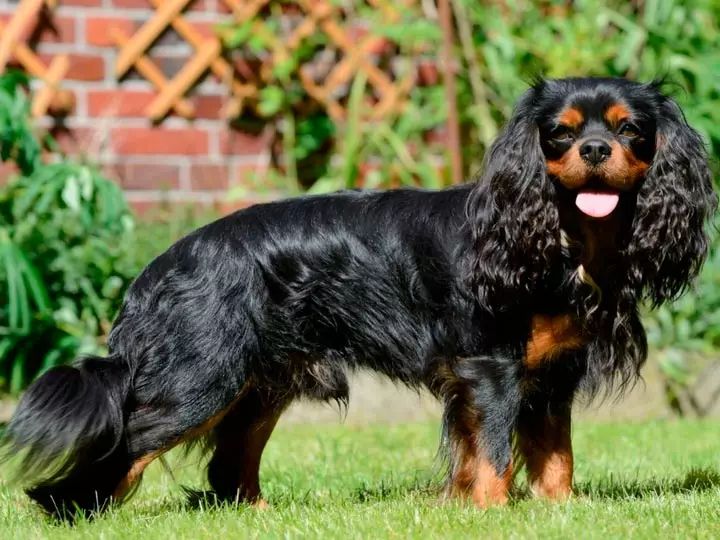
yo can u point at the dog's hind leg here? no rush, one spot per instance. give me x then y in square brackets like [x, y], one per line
[146, 450]
[240, 438]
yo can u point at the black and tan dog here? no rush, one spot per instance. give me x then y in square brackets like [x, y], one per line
[505, 298]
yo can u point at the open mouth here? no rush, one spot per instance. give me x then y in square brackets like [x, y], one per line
[597, 204]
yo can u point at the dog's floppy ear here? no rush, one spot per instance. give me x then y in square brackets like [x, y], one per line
[669, 240]
[512, 216]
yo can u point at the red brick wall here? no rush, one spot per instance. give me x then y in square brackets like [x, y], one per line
[180, 161]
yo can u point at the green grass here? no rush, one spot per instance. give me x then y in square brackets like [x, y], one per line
[651, 480]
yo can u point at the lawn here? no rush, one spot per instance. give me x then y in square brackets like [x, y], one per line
[649, 480]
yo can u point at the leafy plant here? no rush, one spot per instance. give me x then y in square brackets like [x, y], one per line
[64, 265]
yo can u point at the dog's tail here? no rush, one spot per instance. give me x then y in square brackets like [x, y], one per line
[69, 428]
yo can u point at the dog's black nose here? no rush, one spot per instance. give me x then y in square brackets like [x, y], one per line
[595, 151]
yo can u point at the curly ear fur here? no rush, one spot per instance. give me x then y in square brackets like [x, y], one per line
[669, 240]
[513, 217]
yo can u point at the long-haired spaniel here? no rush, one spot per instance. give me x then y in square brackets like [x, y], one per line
[506, 298]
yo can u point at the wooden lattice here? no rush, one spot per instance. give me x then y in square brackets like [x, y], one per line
[50, 96]
[319, 16]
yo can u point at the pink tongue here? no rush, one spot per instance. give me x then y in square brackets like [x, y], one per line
[596, 204]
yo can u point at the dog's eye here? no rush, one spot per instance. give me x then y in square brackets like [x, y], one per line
[628, 130]
[562, 134]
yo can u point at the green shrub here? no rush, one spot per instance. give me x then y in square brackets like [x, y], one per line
[64, 251]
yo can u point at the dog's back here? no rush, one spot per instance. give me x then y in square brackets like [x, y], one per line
[219, 333]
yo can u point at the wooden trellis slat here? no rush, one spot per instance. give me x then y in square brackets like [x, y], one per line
[167, 10]
[356, 58]
[26, 11]
[187, 76]
[10, 46]
[220, 67]
[54, 74]
[152, 73]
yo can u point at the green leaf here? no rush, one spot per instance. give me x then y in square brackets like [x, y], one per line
[6, 345]
[351, 156]
[272, 99]
[236, 37]
[35, 283]
[71, 194]
[17, 376]
[85, 179]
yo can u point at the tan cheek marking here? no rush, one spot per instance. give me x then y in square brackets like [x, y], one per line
[549, 337]
[623, 166]
[616, 114]
[570, 169]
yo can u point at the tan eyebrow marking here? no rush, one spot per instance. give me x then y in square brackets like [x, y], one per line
[571, 117]
[616, 114]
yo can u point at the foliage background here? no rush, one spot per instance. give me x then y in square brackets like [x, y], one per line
[76, 279]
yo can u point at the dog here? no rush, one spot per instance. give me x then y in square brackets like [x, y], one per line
[507, 298]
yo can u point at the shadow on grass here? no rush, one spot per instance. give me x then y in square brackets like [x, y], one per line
[197, 499]
[695, 480]
[385, 490]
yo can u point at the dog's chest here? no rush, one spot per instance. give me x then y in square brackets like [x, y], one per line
[550, 336]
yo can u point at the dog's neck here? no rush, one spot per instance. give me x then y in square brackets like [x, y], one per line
[598, 243]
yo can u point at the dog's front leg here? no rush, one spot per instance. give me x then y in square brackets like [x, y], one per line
[480, 418]
[544, 429]
[545, 443]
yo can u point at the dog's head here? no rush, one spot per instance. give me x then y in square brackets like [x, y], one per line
[611, 160]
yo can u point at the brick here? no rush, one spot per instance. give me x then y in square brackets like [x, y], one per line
[197, 5]
[153, 210]
[162, 141]
[98, 30]
[427, 73]
[147, 209]
[83, 67]
[204, 5]
[57, 29]
[74, 141]
[249, 175]
[208, 106]
[144, 176]
[123, 103]
[206, 29]
[286, 8]
[242, 143]
[131, 4]
[134, 103]
[82, 3]
[211, 177]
